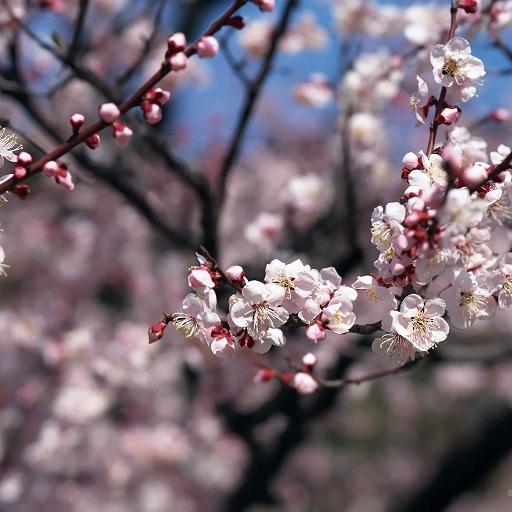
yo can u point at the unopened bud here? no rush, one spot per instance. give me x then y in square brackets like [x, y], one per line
[207, 47]
[309, 361]
[156, 331]
[21, 191]
[93, 142]
[24, 159]
[77, 121]
[236, 274]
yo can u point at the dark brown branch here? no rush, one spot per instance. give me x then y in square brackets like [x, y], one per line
[128, 104]
[79, 27]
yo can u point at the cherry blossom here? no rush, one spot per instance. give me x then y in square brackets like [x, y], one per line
[421, 322]
[455, 66]
[468, 299]
[258, 308]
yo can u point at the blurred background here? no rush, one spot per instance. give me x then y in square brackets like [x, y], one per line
[261, 153]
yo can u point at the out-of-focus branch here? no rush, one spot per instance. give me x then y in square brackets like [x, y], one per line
[149, 42]
[78, 30]
[131, 102]
[130, 193]
[466, 465]
[251, 99]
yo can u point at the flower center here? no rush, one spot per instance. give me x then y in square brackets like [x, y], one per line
[421, 323]
[373, 295]
[338, 317]
[507, 285]
[285, 281]
[473, 303]
[185, 324]
[450, 67]
[381, 231]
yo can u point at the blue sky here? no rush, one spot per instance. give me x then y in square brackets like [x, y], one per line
[223, 95]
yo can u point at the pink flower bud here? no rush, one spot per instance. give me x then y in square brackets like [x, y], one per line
[21, 191]
[24, 159]
[207, 47]
[152, 113]
[500, 115]
[264, 375]
[177, 43]
[160, 96]
[199, 279]
[20, 172]
[410, 161]
[449, 115]
[470, 6]
[309, 361]
[122, 134]
[51, 168]
[265, 5]
[474, 175]
[178, 61]
[236, 274]
[93, 142]
[64, 179]
[304, 383]
[315, 332]
[156, 331]
[109, 112]
[77, 121]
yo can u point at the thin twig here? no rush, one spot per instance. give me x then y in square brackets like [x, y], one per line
[131, 102]
[251, 99]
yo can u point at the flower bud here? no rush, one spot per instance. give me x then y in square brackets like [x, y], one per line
[469, 6]
[309, 361]
[20, 172]
[265, 5]
[122, 134]
[109, 112]
[264, 375]
[207, 47]
[156, 331]
[21, 191]
[152, 113]
[178, 61]
[77, 121]
[304, 383]
[315, 332]
[177, 43]
[449, 115]
[200, 278]
[93, 142]
[236, 274]
[24, 159]
[51, 168]
[410, 161]
[64, 179]
[500, 115]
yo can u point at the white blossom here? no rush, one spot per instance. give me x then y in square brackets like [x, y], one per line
[468, 299]
[421, 322]
[259, 308]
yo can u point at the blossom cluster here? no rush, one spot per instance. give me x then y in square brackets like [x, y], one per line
[440, 262]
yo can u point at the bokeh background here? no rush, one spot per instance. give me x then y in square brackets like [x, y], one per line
[94, 418]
